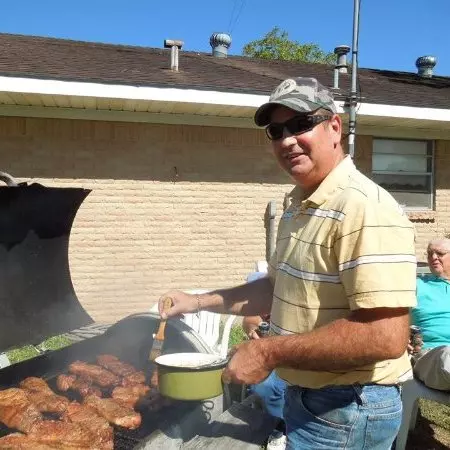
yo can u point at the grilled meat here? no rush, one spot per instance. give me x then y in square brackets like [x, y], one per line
[19, 441]
[114, 412]
[130, 375]
[89, 418]
[62, 433]
[133, 379]
[83, 385]
[17, 411]
[130, 395]
[35, 384]
[65, 382]
[101, 376]
[113, 364]
[48, 403]
[42, 396]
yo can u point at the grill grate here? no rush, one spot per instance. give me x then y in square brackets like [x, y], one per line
[130, 340]
[124, 439]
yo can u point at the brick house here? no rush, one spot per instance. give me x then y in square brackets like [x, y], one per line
[180, 176]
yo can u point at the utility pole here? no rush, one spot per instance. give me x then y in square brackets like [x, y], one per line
[353, 96]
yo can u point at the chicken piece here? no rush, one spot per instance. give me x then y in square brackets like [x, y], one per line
[65, 382]
[52, 432]
[48, 403]
[19, 441]
[39, 392]
[114, 412]
[17, 411]
[133, 379]
[130, 375]
[130, 395]
[35, 384]
[113, 364]
[89, 418]
[82, 385]
[101, 376]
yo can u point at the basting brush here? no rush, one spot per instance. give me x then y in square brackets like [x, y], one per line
[158, 340]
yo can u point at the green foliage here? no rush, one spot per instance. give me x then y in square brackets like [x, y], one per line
[28, 351]
[237, 336]
[277, 45]
[436, 413]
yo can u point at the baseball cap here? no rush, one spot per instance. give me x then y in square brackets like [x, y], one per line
[300, 94]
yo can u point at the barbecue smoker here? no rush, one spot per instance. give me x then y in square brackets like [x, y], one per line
[37, 300]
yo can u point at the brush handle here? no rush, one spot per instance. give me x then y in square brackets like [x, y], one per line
[167, 304]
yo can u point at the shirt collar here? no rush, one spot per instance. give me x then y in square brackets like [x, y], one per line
[339, 176]
[436, 278]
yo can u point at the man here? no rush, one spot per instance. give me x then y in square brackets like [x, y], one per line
[341, 281]
[432, 316]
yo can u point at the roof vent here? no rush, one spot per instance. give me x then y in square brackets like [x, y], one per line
[341, 52]
[220, 43]
[341, 63]
[425, 66]
[174, 46]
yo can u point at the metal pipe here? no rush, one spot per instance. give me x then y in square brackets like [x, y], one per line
[175, 47]
[272, 238]
[353, 99]
[336, 78]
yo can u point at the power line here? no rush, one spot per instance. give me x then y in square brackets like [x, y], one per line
[236, 18]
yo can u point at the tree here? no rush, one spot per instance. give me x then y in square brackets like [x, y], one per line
[277, 45]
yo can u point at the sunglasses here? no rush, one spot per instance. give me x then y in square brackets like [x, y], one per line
[295, 125]
[438, 253]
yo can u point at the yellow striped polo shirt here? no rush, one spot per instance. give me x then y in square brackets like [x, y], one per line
[347, 246]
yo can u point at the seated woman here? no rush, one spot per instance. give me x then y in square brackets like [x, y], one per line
[432, 317]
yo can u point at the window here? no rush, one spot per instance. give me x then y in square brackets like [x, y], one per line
[405, 169]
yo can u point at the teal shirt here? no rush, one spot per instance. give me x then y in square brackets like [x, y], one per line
[432, 313]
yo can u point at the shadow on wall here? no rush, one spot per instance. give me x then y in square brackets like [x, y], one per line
[76, 149]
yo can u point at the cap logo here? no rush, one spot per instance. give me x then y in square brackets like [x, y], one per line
[284, 88]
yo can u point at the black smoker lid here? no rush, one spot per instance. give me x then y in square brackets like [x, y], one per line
[37, 298]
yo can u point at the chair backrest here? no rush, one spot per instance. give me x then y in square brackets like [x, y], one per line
[206, 324]
[4, 361]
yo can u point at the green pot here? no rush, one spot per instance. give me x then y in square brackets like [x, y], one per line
[190, 376]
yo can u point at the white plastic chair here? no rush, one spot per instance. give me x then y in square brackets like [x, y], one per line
[4, 361]
[412, 390]
[207, 325]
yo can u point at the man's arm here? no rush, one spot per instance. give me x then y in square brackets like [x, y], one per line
[365, 337]
[249, 299]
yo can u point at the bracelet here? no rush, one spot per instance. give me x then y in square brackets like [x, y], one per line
[198, 305]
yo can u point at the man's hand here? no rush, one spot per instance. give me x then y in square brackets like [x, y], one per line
[247, 365]
[416, 347]
[181, 303]
[250, 325]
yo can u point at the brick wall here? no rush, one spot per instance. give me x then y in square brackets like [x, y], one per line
[171, 205]
[437, 225]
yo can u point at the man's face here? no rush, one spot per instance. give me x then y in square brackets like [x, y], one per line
[439, 259]
[308, 157]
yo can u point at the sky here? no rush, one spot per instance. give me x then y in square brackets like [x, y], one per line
[392, 33]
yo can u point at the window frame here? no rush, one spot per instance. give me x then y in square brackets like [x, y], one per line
[430, 147]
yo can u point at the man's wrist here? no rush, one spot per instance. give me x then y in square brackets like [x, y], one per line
[199, 303]
[268, 351]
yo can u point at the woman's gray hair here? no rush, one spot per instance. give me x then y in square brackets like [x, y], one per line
[440, 242]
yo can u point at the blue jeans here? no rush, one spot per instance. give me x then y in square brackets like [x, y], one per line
[346, 417]
[271, 391]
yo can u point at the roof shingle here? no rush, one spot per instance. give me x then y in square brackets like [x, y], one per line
[61, 59]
